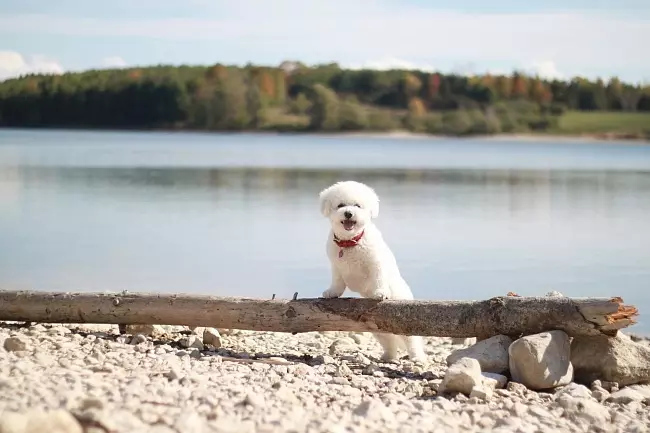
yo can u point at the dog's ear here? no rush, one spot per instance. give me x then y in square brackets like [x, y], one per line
[325, 205]
[373, 205]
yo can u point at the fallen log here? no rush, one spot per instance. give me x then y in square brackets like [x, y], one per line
[509, 315]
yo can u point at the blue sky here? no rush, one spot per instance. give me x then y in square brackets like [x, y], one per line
[552, 38]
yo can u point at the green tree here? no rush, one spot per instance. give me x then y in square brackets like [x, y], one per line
[325, 109]
[352, 116]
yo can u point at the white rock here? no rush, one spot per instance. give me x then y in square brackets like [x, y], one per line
[212, 337]
[541, 361]
[137, 339]
[611, 359]
[342, 345]
[13, 422]
[583, 408]
[600, 394]
[463, 341]
[491, 353]
[630, 394]
[343, 370]
[494, 380]
[16, 344]
[462, 376]
[482, 392]
[39, 421]
[554, 294]
[255, 400]
[191, 341]
[372, 409]
[197, 330]
[574, 390]
[539, 412]
[148, 330]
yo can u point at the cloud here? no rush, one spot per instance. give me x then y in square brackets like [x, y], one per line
[13, 64]
[545, 69]
[390, 63]
[377, 32]
[113, 62]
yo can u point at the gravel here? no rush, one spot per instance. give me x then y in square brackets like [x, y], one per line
[91, 379]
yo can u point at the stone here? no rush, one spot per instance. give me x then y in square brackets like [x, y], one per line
[539, 412]
[16, 344]
[254, 399]
[612, 359]
[600, 394]
[494, 380]
[174, 374]
[147, 330]
[212, 337]
[372, 409]
[137, 339]
[583, 408]
[541, 361]
[342, 345]
[38, 421]
[91, 403]
[630, 394]
[574, 390]
[197, 330]
[463, 341]
[554, 294]
[482, 392]
[517, 388]
[371, 369]
[343, 370]
[492, 354]
[12, 422]
[191, 341]
[324, 360]
[462, 376]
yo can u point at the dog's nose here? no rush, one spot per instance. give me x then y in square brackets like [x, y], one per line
[348, 214]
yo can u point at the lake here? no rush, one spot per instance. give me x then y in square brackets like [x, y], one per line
[237, 214]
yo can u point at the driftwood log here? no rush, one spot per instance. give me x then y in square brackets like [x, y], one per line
[509, 315]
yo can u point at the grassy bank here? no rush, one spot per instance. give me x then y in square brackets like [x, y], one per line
[600, 125]
[619, 124]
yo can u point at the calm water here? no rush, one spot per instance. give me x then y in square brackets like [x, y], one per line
[238, 214]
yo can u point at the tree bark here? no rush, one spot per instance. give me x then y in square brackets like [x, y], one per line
[509, 315]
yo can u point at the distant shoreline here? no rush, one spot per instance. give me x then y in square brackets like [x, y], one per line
[396, 134]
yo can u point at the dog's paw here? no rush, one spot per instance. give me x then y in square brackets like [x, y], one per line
[381, 295]
[389, 358]
[420, 358]
[331, 293]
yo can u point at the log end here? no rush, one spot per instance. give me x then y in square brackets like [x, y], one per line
[623, 317]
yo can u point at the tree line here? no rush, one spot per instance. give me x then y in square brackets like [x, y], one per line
[295, 97]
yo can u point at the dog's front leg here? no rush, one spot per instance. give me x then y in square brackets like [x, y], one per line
[380, 288]
[337, 287]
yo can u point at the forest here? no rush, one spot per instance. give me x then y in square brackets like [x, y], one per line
[293, 97]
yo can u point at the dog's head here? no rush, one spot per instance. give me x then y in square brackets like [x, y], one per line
[350, 206]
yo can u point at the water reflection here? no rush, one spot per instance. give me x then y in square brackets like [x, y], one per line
[522, 193]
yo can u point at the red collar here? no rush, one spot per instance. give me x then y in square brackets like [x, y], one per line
[348, 243]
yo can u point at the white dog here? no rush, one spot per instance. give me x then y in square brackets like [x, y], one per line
[361, 260]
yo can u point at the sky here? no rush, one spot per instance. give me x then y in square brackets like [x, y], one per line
[553, 38]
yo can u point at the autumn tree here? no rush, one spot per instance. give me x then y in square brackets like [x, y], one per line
[519, 86]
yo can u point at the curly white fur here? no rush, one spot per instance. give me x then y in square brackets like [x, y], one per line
[369, 268]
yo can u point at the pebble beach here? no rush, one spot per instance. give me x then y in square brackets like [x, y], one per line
[90, 378]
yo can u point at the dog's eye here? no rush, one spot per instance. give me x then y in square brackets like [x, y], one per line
[358, 205]
[340, 206]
